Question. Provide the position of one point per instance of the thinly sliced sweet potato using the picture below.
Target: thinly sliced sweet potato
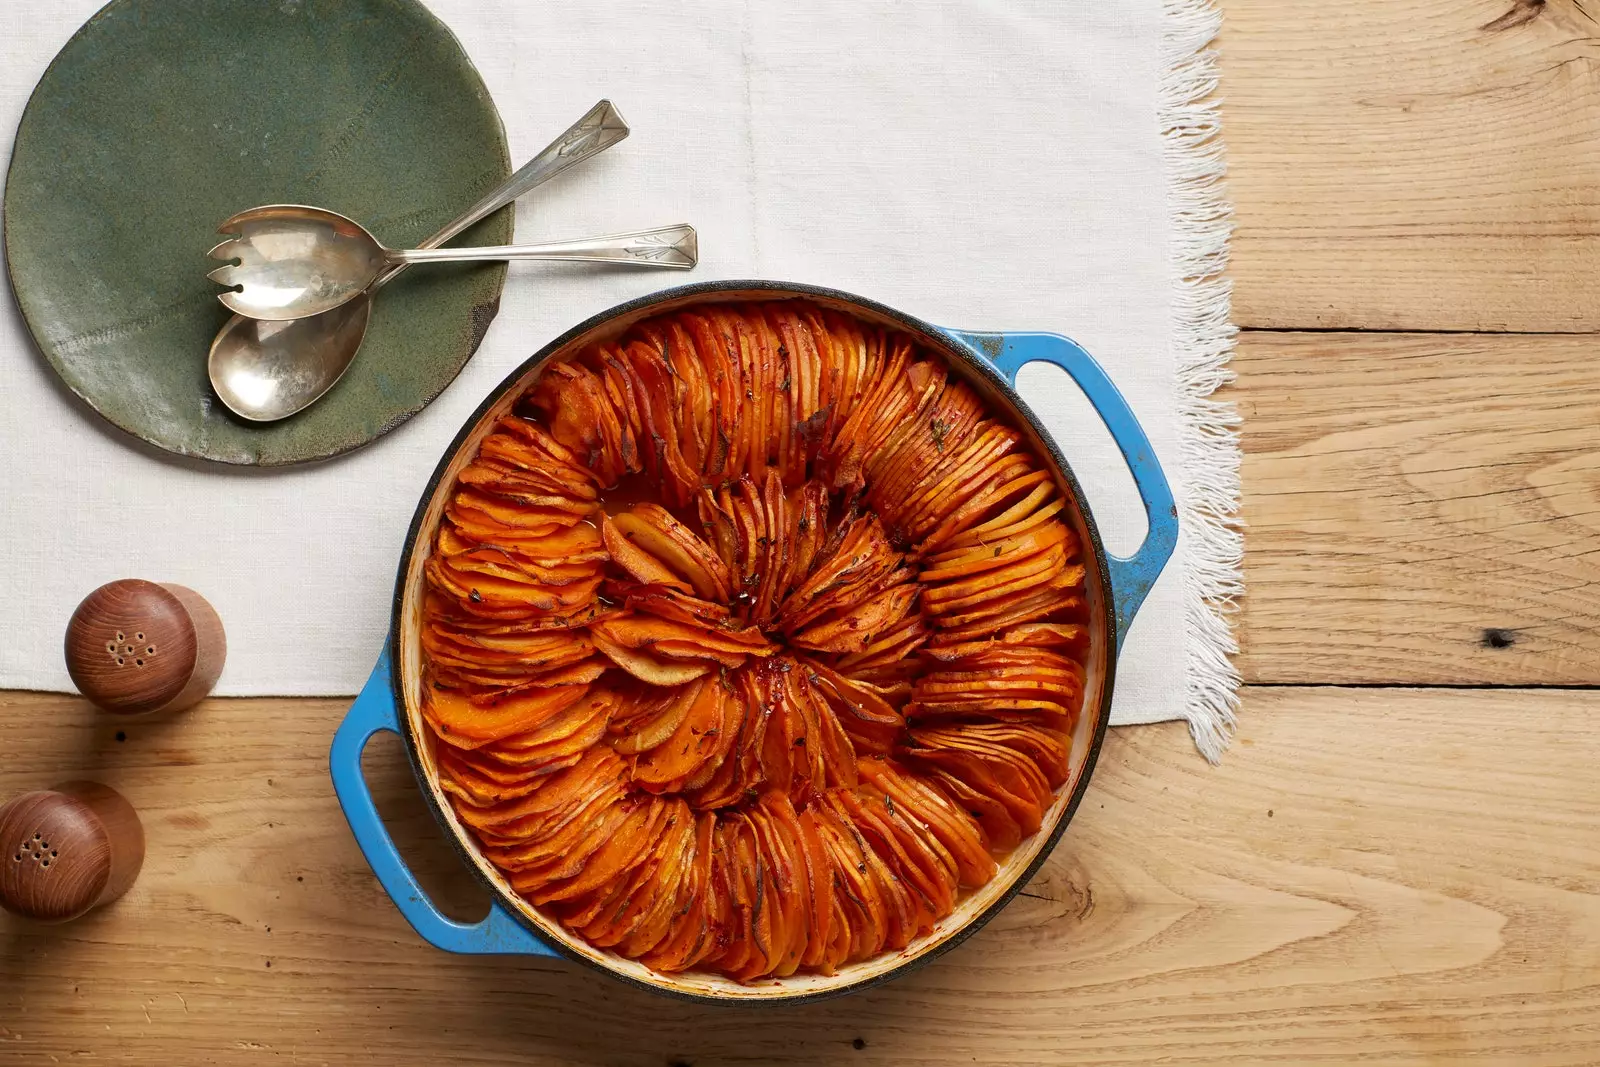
(561, 739)
(710, 798)
(691, 934)
(648, 668)
(855, 628)
(656, 531)
(466, 725)
(644, 631)
(619, 854)
(636, 561)
(697, 739)
(921, 866)
(959, 832)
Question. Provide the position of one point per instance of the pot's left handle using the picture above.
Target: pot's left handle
(374, 710)
(1133, 577)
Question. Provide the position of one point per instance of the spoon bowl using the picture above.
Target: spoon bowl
(287, 261)
(290, 260)
(267, 370)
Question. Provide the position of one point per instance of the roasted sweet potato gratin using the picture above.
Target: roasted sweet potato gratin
(752, 640)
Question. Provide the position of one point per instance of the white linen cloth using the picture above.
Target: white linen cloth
(1025, 164)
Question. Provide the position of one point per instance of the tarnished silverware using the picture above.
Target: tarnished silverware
(288, 261)
(268, 371)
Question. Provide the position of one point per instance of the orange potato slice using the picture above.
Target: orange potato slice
(467, 725)
(917, 858)
(719, 527)
(471, 786)
(957, 830)
(648, 668)
(562, 740)
(566, 844)
(562, 857)
(648, 631)
(667, 603)
(621, 851)
(659, 728)
(996, 771)
(691, 935)
(696, 739)
(636, 561)
(970, 594)
(1026, 516)
(1000, 554)
(1005, 481)
(853, 629)
(658, 533)
(582, 417)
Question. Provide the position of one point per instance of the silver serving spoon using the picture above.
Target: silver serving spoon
(264, 371)
(289, 260)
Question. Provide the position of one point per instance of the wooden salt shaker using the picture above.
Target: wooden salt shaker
(135, 647)
(67, 851)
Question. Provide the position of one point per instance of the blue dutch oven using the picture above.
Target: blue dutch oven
(1114, 587)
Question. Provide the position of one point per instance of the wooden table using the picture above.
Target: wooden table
(1399, 859)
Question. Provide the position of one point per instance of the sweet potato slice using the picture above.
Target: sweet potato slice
(643, 734)
(656, 531)
(997, 772)
(470, 785)
(853, 629)
(466, 725)
(619, 854)
(785, 856)
(957, 830)
(633, 909)
(636, 561)
(676, 741)
(692, 932)
(648, 668)
(645, 631)
(562, 739)
(870, 720)
(563, 857)
(919, 864)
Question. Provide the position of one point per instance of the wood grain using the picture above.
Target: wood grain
(74, 847)
(1421, 509)
(1385, 876)
(1431, 165)
(137, 647)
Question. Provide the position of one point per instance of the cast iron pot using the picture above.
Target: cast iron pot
(1114, 587)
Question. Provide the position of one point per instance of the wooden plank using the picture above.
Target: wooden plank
(1429, 165)
(1390, 876)
(1421, 509)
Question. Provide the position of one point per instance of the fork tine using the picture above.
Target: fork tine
(223, 275)
(221, 249)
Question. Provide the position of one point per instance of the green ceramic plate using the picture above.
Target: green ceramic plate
(161, 118)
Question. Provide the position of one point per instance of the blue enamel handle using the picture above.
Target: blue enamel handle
(1133, 577)
(374, 710)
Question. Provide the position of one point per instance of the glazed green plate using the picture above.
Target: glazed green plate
(161, 118)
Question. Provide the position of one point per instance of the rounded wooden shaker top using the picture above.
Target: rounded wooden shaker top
(135, 647)
(67, 850)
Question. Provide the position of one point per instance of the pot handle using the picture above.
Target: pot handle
(1133, 577)
(376, 709)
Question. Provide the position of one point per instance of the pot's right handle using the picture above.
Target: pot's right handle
(374, 710)
(1133, 577)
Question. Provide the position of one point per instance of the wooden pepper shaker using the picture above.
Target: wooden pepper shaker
(136, 647)
(67, 851)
